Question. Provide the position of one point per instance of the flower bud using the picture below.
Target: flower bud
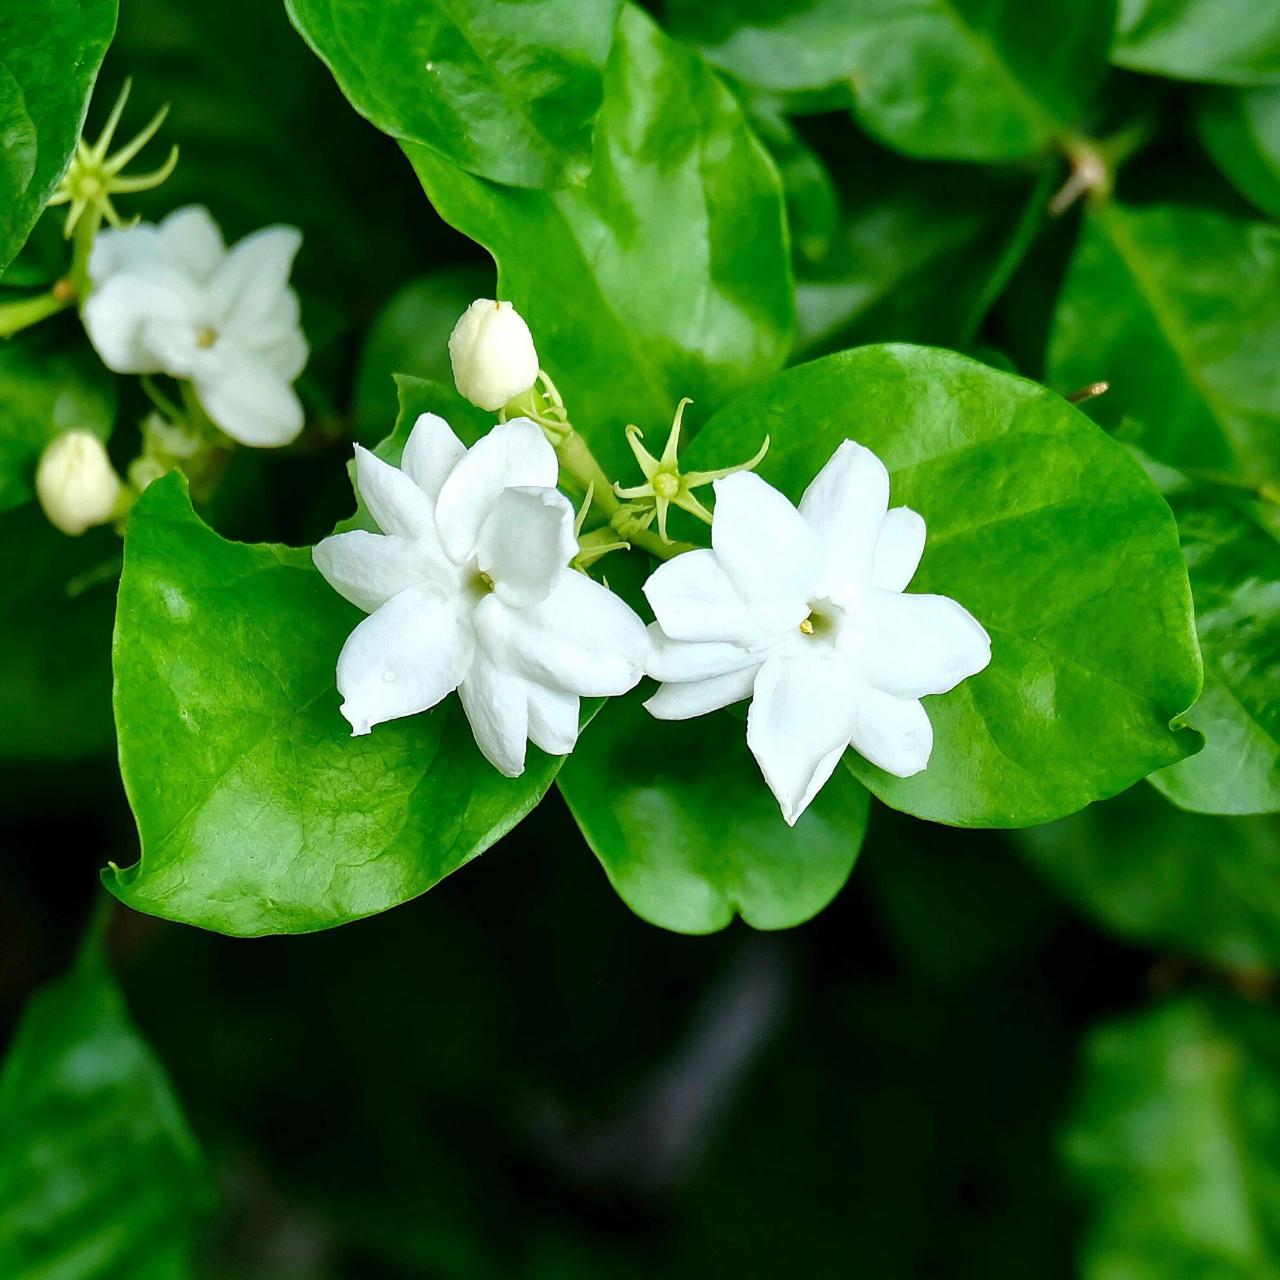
(493, 355)
(76, 483)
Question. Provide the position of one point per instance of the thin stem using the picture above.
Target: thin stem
(16, 316)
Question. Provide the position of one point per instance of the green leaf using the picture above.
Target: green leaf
(257, 811)
(667, 274)
(946, 79)
(50, 382)
(99, 1174)
(1174, 1140)
(1041, 526)
(1218, 41)
(49, 58)
(689, 834)
(506, 91)
(1240, 128)
(1179, 310)
(1235, 577)
(1207, 887)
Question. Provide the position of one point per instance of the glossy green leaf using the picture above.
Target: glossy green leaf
(947, 79)
(1175, 1138)
(100, 1176)
(667, 274)
(688, 833)
(1179, 310)
(1217, 41)
(1207, 887)
(1235, 578)
(257, 811)
(1241, 130)
(49, 58)
(50, 382)
(1041, 526)
(506, 91)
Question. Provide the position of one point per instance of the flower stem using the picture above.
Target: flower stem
(19, 315)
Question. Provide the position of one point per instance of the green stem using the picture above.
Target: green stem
(16, 316)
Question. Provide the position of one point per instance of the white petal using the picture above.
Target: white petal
(698, 697)
(799, 724)
(893, 733)
(692, 600)
(768, 553)
(189, 240)
(514, 454)
(496, 703)
(396, 504)
(125, 249)
(553, 719)
(525, 543)
(845, 505)
(245, 291)
(912, 645)
(369, 568)
(250, 402)
(582, 638)
(681, 660)
(898, 549)
(403, 659)
(431, 453)
(285, 350)
(119, 312)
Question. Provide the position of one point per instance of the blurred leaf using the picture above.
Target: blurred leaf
(666, 275)
(1174, 1140)
(1235, 577)
(1241, 130)
(1179, 310)
(1218, 41)
(506, 91)
(100, 1176)
(411, 336)
(688, 833)
(51, 54)
(1208, 887)
(812, 203)
(50, 382)
(257, 811)
(1047, 531)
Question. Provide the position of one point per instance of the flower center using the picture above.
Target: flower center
(206, 337)
(822, 620)
(479, 584)
(665, 484)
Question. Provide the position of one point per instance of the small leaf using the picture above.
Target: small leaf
(1217, 41)
(1240, 128)
(506, 91)
(1047, 531)
(1178, 309)
(99, 1174)
(689, 834)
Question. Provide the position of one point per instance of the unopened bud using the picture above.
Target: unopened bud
(76, 483)
(493, 356)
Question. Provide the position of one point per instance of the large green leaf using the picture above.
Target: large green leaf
(1175, 1139)
(667, 274)
(1179, 310)
(1241, 129)
(257, 811)
(507, 91)
(950, 79)
(1207, 887)
(1235, 578)
(50, 382)
(100, 1176)
(688, 833)
(1218, 41)
(1048, 531)
(50, 53)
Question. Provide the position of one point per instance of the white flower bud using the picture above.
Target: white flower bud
(492, 353)
(76, 483)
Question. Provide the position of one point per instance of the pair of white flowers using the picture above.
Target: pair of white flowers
(468, 586)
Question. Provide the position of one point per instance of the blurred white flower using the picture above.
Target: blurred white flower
(76, 484)
(173, 299)
(804, 612)
(468, 587)
(492, 353)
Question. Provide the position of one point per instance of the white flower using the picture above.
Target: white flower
(804, 613)
(492, 353)
(76, 483)
(468, 588)
(173, 299)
